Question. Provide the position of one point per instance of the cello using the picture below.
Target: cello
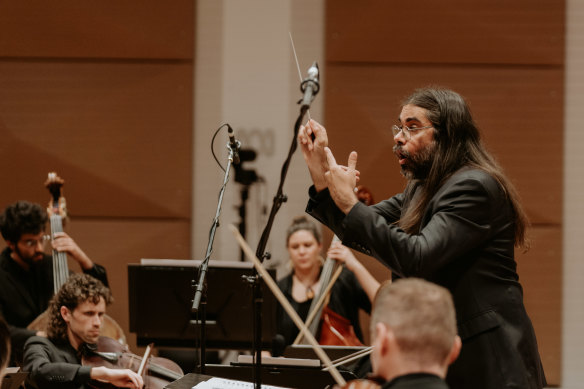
(57, 211)
(157, 372)
(332, 328)
(341, 383)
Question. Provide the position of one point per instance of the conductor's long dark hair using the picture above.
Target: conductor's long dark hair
(458, 144)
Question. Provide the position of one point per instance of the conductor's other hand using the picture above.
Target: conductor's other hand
(341, 181)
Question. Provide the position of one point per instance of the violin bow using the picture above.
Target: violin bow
(144, 359)
(287, 307)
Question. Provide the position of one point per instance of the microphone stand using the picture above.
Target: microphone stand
(310, 87)
(200, 298)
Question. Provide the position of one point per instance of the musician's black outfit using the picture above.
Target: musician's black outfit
(466, 244)
(347, 296)
(24, 295)
(54, 364)
(416, 381)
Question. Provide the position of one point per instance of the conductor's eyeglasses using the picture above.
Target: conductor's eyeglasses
(407, 131)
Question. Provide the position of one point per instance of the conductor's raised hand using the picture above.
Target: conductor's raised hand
(313, 139)
(341, 181)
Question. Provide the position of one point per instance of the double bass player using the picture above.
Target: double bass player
(26, 274)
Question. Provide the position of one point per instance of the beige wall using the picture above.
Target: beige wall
(573, 244)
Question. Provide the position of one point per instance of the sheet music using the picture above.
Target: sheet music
(222, 383)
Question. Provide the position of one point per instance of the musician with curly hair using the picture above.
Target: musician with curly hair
(75, 318)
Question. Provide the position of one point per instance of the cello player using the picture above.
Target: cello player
(75, 317)
(354, 289)
(26, 273)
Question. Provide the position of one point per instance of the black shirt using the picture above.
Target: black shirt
(347, 296)
(24, 295)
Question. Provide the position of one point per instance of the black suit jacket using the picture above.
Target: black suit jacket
(53, 365)
(416, 381)
(466, 244)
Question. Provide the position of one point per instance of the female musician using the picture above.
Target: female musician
(355, 288)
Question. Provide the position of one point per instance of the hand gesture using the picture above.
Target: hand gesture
(341, 181)
(313, 139)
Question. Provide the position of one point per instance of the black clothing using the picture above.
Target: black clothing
(416, 381)
(24, 295)
(347, 296)
(53, 364)
(466, 244)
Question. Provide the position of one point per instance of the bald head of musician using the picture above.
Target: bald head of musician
(413, 331)
(76, 315)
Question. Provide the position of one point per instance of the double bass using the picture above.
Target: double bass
(332, 328)
(57, 211)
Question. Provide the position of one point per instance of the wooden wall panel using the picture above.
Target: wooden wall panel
(521, 122)
(457, 31)
(118, 133)
(540, 273)
(97, 29)
(102, 93)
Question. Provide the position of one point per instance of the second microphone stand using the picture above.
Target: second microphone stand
(200, 286)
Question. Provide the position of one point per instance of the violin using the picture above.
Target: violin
(364, 383)
(157, 372)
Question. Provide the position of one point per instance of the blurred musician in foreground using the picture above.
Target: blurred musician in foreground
(26, 272)
(355, 288)
(413, 332)
(75, 318)
(4, 348)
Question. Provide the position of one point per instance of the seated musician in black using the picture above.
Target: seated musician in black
(413, 332)
(26, 272)
(75, 318)
(4, 348)
(355, 288)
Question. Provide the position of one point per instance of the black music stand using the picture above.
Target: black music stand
(160, 294)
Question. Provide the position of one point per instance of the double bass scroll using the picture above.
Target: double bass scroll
(57, 211)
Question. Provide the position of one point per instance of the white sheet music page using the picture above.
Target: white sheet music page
(222, 383)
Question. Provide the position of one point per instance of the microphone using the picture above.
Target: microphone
(234, 144)
(310, 86)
